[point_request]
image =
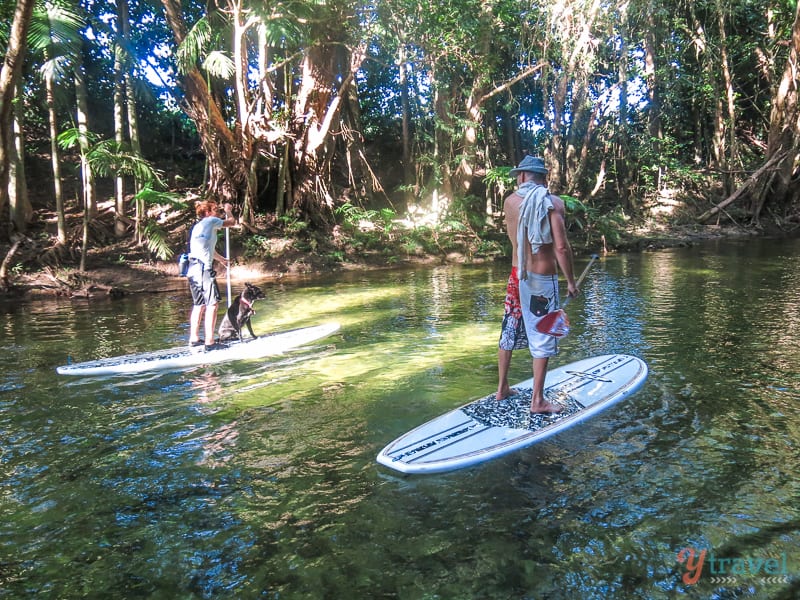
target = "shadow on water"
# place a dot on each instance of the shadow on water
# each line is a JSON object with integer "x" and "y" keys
{"x": 257, "y": 478}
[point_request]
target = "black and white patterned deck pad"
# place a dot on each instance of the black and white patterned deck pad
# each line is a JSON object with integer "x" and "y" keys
{"x": 514, "y": 411}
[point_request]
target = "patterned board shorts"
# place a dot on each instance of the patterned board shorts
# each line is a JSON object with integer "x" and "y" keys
{"x": 512, "y": 333}
{"x": 202, "y": 285}
{"x": 538, "y": 294}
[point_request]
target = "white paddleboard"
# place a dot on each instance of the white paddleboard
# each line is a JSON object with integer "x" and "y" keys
{"x": 184, "y": 356}
{"x": 485, "y": 429}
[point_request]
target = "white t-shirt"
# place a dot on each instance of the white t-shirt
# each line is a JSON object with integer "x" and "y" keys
{"x": 204, "y": 239}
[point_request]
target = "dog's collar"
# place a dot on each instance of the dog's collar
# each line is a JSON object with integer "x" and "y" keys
{"x": 246, "y": 303}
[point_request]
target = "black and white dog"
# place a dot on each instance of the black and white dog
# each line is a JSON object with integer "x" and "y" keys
{"x": 239, "y": 313}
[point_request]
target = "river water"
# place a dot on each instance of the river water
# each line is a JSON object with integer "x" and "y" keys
{"x": 258, "y": 479}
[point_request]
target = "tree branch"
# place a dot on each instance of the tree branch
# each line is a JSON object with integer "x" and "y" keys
{"x": 743, "y": 188}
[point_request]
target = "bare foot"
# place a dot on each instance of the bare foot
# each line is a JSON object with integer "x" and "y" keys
{"x": 505, "y": 393}
{"x": 546, "y": 408}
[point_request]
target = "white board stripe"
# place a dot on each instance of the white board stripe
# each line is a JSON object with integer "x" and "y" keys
{"x": 458, "y": 440}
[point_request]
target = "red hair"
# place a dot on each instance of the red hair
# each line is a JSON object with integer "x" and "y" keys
{"x": 204, "y": 207}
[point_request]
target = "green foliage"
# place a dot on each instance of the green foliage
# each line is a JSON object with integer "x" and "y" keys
{"x": 157, "y": 241}
{"x": 71, "y": 138}
{"x": 366, "y": 229}
{"x": 192, "y": 48}
{"x": 354, "y": 216}
{"x": 426, "y": 64}
{"x": 55, "y": 33}
{"x": 594, "y": 223}
{"x": 256, "y": 246}
{"x": 467, "y": 213}
{"x": 293, "y": 223}
{"x": 151, "y": 197}
{"x": 499, "y": 177}
{"x": 108, "y": 158}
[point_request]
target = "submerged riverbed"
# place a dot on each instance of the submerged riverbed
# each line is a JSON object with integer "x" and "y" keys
{"x": 257, "y": 479}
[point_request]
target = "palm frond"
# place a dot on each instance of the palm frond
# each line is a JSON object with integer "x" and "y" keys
{"x": 56, "y": 29}
{"x": 71, "y": 138}
{"x": 109, "y": 158}
{"x": 219, "y": 64}
{"x": 58, "y": 67}
{"x": 153, "y": 197}
{"x": 156, "y": 240}
{"x": 193, "y": 46}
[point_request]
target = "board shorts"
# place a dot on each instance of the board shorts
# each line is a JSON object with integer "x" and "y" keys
{"x": 202, "y": 284}
{"x": 512, "y": 332}
{"x": 538, "y": 295}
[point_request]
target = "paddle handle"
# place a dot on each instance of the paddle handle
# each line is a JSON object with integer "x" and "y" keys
{"x": 578, "y": 283}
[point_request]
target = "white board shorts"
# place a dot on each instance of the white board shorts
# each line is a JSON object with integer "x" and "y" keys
{"x": 543, "y": 290}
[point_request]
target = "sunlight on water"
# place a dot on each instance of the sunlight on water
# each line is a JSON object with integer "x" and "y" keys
{"x": 258, "y": 478}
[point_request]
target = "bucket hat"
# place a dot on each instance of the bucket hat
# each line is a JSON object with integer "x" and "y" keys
{"x": 532, "y": 164}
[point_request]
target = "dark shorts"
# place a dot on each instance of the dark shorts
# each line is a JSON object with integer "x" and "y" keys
{"x": 512, "y": 333}
{"x": 202, "y": 284}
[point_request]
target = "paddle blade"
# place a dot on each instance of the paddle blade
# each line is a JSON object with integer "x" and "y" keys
{"x": 555, "y": 324}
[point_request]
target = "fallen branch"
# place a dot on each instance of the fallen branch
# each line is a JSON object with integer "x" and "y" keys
{"x": 742, "y": 189}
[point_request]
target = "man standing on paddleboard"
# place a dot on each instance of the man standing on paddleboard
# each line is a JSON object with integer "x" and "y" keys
{"x": 512, "y": 331}
{"x": 535, "y": 223}
{"x": 201, "y": 273}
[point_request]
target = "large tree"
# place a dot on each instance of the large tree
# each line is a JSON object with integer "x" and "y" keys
{"x": 783, "y": 141}
{"x": 9, "y": 76}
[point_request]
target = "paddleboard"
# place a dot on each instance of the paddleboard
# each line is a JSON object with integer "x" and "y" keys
{"x": 184, "y": 356}
{"x": 485, "y": 429}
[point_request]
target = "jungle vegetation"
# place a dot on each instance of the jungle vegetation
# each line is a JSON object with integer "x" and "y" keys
{"x": 354, "y": 116}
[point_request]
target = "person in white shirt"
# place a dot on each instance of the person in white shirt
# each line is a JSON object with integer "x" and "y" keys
{"x": 201, "y": 275}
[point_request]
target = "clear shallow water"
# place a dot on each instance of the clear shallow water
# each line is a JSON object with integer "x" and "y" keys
{"x": 257, "y": 479}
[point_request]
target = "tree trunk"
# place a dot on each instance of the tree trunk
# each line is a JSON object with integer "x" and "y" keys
{"x": 120, "y": 219}
{"x": 227, "y": 172}
{"x": 784, "y": 132}
{"x": 654, "y": 97}
{"x": 130, "y": 110}
{"x": 315, "y": 109}
{"x": 622, "y": 141}
{"x": 87, "y": 175}
{"x": 732, "y": 157}
{"x": 9, "y": 76}
{"x": 55, "y": 157}
{"x": 21, "y": 209}
{"x": 574, "y": 32}
{"x": 405, "y": 101}
{"x": 82, "y": 117}
{"x": 245, "y": 142}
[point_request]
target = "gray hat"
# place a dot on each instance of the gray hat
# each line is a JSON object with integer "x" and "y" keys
{"x": 533, "y": 164}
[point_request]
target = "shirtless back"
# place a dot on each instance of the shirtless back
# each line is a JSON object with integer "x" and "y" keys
{"x": 549, "y": 256}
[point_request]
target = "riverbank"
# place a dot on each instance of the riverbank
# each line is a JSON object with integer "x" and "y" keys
{"x": 121, "y": 270}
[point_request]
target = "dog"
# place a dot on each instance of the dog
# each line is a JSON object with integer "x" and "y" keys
{"x": 239, "y": 314}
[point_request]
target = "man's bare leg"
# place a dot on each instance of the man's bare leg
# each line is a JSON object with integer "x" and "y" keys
{"x": 503, "y": 364}
{"x": 210, "y": 324}
{"x": 194, "y": 322}
{"x": 538, "y": 403}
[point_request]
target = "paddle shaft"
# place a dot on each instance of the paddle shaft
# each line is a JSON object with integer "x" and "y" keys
{"x": 228, "y": 256}
{"x": 580, "y": 279}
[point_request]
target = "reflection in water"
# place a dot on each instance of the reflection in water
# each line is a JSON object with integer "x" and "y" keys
{"x": 257, "y": 478}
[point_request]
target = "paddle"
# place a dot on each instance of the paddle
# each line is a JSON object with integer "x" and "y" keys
{"x": 228, "y": 256}
{"x": 556, "y": 323}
